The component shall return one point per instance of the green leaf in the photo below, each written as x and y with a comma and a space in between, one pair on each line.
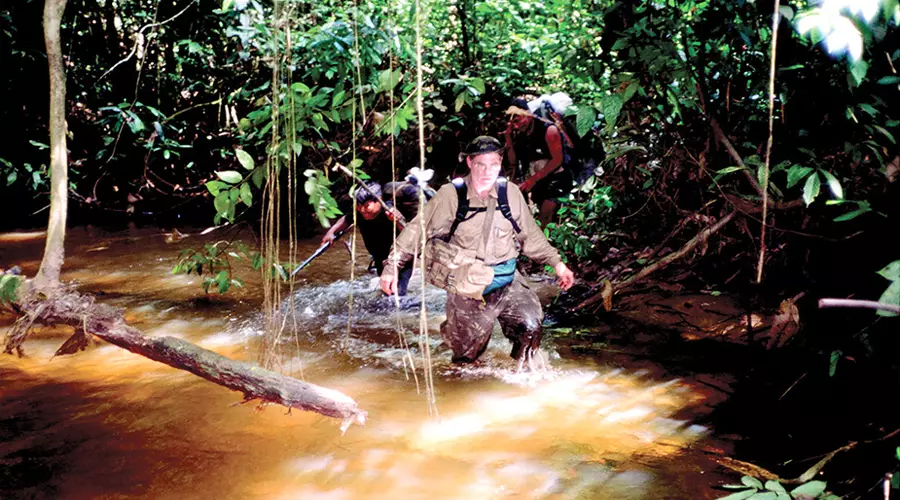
765, 495
739, 495
477, 84
222, 281
786, 12
890, 296
9, 284
752, 482
811, 489
300, 88
222, 202
811, 189
858, 71
852, 215
883, 131
460, 101
215, 186
230, 176
833, 184
728, 170
796, 174
584, 120
889, 80
630, 91
833, 362
11, 177
868, 108
612, 105
775, 486
258, 176
891, 271
244, 158
246, 195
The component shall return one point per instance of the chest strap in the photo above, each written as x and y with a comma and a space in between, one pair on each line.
463, 210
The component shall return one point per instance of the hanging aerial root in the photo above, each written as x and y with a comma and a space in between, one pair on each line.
107, 323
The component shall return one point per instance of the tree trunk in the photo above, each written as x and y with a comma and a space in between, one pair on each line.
48, 275
462, 9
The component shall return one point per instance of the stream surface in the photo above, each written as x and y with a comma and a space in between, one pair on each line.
105, 423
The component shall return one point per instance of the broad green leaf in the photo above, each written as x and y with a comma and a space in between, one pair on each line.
460, 101
740, 495
246, 195
9, 284
775, 486
11, 177
833, 184
752, 482
811, 188
244, 159
230, 176
868, 108
891, 271
811, 489
222, 281
233, 195
226, 4
889, 80
858, 71
762, 175
765, 495
478, 84
786, 12
222, 202
299, 87
338, 98
796, 174
585, 120
215, 186
258, 176
612, 105
630, 91
890, 296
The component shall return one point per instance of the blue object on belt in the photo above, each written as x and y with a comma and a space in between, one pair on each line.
504, 273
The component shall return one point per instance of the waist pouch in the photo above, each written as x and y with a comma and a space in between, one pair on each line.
504, 273
456, 269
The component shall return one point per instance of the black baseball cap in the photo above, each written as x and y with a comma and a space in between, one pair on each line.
483, 144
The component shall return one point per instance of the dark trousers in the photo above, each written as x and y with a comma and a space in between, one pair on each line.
470, 322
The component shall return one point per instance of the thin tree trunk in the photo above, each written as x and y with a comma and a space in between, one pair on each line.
462, 9
54, 252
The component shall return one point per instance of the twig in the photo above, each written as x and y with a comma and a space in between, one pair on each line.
139, 39
720, 136
858, 304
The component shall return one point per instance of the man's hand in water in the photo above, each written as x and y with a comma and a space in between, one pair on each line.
388, 284
565, 275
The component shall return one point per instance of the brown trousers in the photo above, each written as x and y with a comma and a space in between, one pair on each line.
470, 322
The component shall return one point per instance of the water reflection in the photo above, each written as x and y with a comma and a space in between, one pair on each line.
107, 423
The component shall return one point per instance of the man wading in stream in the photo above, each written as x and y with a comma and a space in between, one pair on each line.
476, 228
377, 224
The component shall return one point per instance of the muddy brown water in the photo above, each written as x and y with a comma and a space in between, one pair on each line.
106, 423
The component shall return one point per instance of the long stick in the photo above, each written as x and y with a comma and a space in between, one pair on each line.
858, 304
776, 16
319, 251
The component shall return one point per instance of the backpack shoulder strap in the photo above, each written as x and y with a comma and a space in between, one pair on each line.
462, 204
503, 203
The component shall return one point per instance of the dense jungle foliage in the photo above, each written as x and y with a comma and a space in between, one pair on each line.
177, 108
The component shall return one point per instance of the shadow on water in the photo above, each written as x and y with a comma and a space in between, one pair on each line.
106, 423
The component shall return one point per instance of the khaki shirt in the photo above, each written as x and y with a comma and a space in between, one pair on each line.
502, 244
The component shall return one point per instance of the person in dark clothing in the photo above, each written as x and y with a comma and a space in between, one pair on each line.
377, 224
538, 150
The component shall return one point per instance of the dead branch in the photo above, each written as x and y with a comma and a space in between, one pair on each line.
253, 381
701, 238
720, 136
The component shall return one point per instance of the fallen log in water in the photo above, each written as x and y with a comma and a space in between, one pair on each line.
107, 323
